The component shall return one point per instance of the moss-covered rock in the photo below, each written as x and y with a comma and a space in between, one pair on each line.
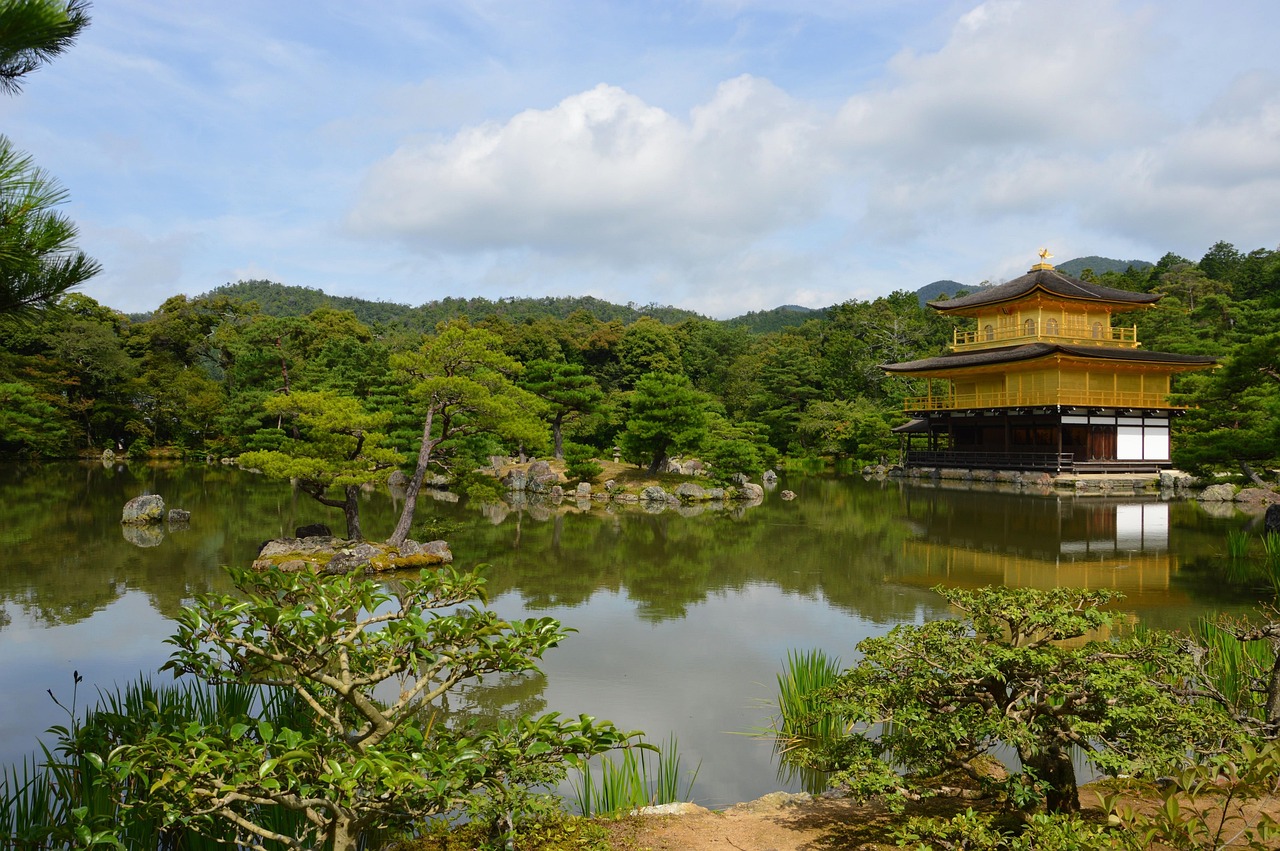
335, 555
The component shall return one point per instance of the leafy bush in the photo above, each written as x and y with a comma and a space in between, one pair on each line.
580, 462
1017, 670
355, 764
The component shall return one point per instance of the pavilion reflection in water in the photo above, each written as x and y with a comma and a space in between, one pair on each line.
1042, 542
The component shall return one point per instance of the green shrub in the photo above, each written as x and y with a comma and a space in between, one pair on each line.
580, 462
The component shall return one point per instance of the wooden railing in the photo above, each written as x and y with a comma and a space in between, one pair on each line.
1079, 335
1049, 461
1055, 462
1038, 398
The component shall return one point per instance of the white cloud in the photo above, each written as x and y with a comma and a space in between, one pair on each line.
604, 174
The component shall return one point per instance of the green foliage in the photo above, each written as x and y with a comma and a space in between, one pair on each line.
580, 462
1211, 804
568, 391
858, 429
464, 385
38, 258
28, 424
1237, 670
338, 445
32, 32
941, 696
281, 300
553, 830
665, 414
354, 763
983, 832
637, 781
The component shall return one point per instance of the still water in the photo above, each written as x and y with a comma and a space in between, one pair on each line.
682, 617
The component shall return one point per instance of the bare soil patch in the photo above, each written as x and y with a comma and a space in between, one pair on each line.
782, 822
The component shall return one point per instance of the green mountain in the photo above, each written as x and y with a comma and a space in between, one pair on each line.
767, 321
1099, 265
283, 300
938, 289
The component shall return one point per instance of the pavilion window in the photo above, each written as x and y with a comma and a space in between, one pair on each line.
989, 332
1029, 327
1051, 327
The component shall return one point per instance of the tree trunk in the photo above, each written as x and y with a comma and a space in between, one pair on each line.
415, 484
1053, 768
344, 833
1253, 476
557, 435
351, 510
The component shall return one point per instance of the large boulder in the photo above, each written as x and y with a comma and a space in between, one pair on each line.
515, 480
178, 518
541, 478
769, 478
653, 493
689, 492
1218, 493
1271, 522
751, 492
143, 510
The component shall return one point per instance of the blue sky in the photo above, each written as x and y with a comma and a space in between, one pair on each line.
721, 156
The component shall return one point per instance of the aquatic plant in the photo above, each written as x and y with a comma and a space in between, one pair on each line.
800, 712
1237, 544
638, 780
1234, 667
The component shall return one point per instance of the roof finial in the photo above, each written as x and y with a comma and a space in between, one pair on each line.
1044, 261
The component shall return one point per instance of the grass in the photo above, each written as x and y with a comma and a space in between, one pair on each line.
803, 723
1237, 544
1234, 666
610, 787
65, 798
800, 714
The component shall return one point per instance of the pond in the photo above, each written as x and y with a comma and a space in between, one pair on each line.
682, 618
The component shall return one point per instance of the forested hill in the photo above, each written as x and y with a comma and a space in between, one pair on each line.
769, 321
1100, 266
938, 289
282, 300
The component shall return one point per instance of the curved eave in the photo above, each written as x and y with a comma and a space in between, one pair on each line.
952, 363
1051, 283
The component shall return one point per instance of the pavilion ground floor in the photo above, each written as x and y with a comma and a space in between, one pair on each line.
1051, 439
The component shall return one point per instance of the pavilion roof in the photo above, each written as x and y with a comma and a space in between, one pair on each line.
1033, 351
1049, 281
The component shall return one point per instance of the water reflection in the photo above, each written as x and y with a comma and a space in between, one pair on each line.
1045, 543
681, 621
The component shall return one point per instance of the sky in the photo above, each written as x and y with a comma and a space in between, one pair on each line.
721, 156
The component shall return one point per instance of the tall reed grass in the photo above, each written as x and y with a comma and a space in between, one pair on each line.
606, 786
64, 797
801, 714
803, 722
1238, 544
1234, 667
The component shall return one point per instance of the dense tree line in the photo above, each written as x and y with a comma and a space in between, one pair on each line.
199, 374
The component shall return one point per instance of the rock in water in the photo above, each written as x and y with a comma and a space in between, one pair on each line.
143, 510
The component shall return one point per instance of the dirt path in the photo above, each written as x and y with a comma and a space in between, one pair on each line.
776, 822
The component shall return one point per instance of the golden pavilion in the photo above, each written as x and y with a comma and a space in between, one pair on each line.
1045, 381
